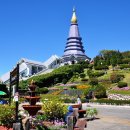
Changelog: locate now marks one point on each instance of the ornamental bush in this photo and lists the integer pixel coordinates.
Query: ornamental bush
(57, 75)
(93, 81)
(82, 75)
(115, 78)
(98, 74)
(7, 115)
(100, 91)
(54, 109)
(86, 91)
(90, 66)
(105, 67)
(93, 74)
(122, 84)
(91, 112)
(43, 90)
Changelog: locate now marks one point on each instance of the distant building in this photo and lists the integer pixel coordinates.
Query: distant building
(74, 50)
(29, 68)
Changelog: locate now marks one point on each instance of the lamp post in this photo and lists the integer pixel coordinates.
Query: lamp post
(14, 80)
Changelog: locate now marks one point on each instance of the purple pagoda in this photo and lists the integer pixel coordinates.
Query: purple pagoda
(74, 50)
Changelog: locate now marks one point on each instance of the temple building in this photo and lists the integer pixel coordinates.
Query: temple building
(74, 50)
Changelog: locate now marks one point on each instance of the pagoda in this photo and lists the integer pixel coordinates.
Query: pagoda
(74, 50)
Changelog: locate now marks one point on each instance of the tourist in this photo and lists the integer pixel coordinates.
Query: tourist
(79, 102)
(87, 98)
(69, 113)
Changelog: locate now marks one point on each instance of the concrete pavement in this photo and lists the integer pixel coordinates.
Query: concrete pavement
(110, 117)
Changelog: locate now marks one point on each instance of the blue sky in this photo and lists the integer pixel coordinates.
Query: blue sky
(37, 29)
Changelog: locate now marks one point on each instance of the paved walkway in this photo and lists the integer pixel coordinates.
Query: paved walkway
(110, 118)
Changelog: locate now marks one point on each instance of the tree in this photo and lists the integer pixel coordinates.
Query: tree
(111, 57)
(126, 54)
(113, 61)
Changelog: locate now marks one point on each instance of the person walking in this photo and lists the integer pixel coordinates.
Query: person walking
(79, 102)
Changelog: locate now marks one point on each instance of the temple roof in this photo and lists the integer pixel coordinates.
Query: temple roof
(74, 46)
(50, 60)
(30, 61)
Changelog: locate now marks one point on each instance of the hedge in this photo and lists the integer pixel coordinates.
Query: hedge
(112, 102)
(95, 74)
(122, 84)
(122, 66)
(56, 76)
(105, 67)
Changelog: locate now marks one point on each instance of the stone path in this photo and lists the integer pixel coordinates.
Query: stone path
(110, 118)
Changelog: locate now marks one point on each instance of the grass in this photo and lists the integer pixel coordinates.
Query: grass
(122, 92)
(105, 80)
(127, 78)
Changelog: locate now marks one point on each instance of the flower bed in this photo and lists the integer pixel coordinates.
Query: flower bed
(124, 88)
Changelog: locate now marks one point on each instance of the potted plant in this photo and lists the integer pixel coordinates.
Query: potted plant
(91, 113)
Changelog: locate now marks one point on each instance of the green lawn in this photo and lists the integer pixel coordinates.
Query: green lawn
(122, 92)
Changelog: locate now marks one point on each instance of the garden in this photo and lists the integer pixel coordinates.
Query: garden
(106, 83)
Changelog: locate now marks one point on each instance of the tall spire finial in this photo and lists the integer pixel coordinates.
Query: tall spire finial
(74, 18)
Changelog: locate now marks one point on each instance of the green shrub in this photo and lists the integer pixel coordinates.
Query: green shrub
(93, 74)
(112, 102)
(23, 84)
(68, 100)
(91, 112)
(73, 86)
(54, 109)
(87, 90)
(98, 74)
(84, 63)
(82, 75)
(57, 76)
(122, 84)
(105, 67)
(93, 81)
(122, 66)
(121, 76)
(43, 90)
(126, 60)
(84, 80)
(83, 100)
(7, 115)
(100, 91)
(90, 66)
(89, 72)
(115, 78)
(64, 81)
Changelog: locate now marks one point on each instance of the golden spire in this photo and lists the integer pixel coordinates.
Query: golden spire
(74, 18)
